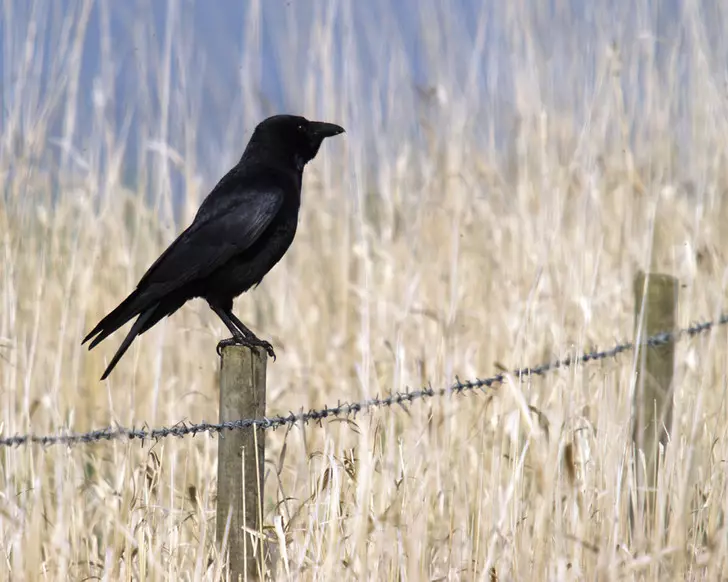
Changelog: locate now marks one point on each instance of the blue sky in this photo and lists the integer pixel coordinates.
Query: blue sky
(397, 47)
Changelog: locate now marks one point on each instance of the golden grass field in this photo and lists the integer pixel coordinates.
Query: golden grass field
(449, 256)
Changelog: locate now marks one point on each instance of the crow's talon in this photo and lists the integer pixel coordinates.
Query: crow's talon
(230, 341)
(255, 342)
(268, 348)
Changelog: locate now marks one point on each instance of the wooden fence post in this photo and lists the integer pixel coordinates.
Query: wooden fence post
(240, 461)
(655, 312)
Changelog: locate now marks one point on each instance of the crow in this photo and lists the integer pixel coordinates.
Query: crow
(241, 230)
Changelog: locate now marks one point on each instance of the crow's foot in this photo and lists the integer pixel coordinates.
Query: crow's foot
(250, 342)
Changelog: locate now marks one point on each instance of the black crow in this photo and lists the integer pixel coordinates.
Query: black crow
(242, 229)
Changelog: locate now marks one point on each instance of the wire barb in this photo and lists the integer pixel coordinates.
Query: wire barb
(183, 429)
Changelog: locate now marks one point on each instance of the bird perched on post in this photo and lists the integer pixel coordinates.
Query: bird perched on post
(242, 229)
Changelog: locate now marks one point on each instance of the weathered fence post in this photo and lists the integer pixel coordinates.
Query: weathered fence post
(240, 461)
(656, 298)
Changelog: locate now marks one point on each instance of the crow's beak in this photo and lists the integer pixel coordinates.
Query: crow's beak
(323, 130)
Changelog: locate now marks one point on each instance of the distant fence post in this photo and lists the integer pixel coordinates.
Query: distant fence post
(655, 312)
(240, 462)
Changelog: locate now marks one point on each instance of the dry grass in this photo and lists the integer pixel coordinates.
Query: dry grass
(416, 260)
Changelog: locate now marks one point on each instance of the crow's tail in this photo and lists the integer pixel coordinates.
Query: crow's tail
(138, 327)
(149, 310)
(132, 306)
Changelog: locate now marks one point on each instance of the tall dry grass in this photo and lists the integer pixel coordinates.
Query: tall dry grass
(448, 247)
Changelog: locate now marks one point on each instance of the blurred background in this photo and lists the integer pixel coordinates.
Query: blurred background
(192, 77)
(507, 169)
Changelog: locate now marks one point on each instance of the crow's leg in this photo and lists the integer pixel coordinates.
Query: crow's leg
(240, 325)
(249, 335)
(242, 336)
(237, 339)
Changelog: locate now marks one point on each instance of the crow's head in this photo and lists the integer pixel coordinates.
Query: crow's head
(292, 138)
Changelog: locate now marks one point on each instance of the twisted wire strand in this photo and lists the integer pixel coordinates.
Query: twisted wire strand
(183, 429)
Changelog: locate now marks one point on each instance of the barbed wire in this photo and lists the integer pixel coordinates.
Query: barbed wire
(351, 409)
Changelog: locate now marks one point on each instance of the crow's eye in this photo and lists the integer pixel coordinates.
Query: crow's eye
(301, 128)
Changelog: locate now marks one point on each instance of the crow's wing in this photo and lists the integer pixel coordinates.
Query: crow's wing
(227, 228)
(230, 220)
